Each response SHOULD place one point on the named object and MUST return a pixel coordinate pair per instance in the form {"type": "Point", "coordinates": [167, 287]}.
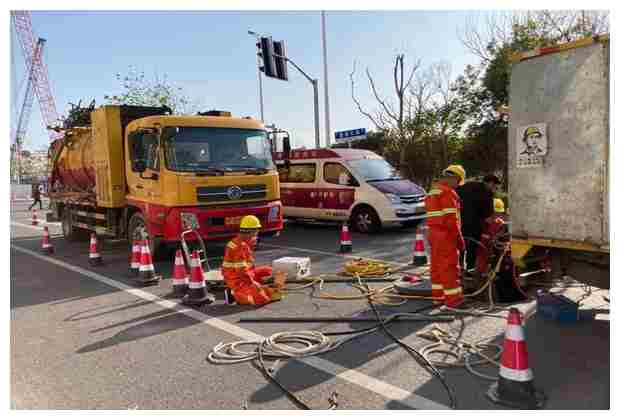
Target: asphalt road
{"type": "Point", "coordinates": [89, 338]}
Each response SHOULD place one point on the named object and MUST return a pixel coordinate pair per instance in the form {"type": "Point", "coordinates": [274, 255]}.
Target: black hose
{"type": "Point", "coordinates": [420, 358]}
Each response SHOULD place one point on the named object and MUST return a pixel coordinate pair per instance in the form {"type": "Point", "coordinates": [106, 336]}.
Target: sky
{"type": "Point", "coordinates": [211, 56]}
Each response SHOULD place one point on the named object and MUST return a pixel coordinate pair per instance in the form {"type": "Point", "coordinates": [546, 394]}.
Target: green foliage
{"type": "Point", "coordinates": [138, 90]}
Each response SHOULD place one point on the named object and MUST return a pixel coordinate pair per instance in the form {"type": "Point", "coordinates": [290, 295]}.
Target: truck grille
{"type": "Point", "coordinates": [412, 199]}
{"type": "Point", "coordinates": [231, 193]}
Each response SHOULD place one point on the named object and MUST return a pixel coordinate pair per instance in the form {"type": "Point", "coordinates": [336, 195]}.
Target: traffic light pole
{"type": "Point", "coordinates": [315, 86]}
{"type": "Point", "coordinates": [260, 79]}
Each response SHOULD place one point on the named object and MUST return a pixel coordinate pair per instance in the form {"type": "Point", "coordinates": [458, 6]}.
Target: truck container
{"type": "Point", "coordinates": [133, 172]}
{"type": "Point", "coordinates": [558, 158]}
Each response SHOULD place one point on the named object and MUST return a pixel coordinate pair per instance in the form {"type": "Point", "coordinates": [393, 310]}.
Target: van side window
{"type": "Point", "coordinates": [335, 173]}
{"type": "Point", "coordinates": [298, 172]}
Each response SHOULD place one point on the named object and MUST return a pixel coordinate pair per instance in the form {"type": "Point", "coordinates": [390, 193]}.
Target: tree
{"type": "Point", "coordinates": [486, 88]}
{"type": "Point", "coordinates": [138, 90]}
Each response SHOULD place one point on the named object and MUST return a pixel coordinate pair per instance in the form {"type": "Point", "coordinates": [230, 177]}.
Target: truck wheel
{"type": "Point", "coordinates": [365, 220]}
{"type": "Point", "coordinates": [137, 230]}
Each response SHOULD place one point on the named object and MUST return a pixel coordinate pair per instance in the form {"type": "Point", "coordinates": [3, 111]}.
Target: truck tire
{"type": "Point", "coordinates": [365, 220]}
{"type": "Point", "coordinates": [137, 230]}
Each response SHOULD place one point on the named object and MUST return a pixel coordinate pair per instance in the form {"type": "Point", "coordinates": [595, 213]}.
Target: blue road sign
{"type": "Point", "coordinates": [350, 134]}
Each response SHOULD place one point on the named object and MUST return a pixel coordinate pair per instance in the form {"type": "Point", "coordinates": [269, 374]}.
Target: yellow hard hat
{"type": "Point", "coordinates": [498, 204]}
{"type": "Point", "coordinates": [457, 170]}
{"type": "Point", "coordinates": [532, 131]}
{"type": "Point", "coordinates": [250, 223]}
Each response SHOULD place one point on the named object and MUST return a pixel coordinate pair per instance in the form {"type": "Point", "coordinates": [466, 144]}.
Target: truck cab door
{"type": "Point", "coordinates": [144, 175]}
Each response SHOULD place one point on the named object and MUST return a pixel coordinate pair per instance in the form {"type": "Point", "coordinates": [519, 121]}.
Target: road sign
{"type": "Point", "coordinates": [350, 135]}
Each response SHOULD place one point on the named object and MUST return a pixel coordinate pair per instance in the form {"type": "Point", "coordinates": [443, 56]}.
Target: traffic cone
{"type": "Point", "coordinates": [46, 245]}
{"type": "Point", "coordinates": [136, 254]}
{"type": "Point", "coordinates": [35, 222]}
{"type": "Point", "coordinates": [515, 386]}
{"type": "Point", "coordinates": [179, 276]}
{"type": "Point", "coordinates": [345, 239]}
{"type": "Point", "coordinates": [197, 293]}
{"type": "Point", "coordinates": [147, 270]}
{"type": "Point", "coordinates": [419, 254]}
{"type": "Point", "coordinates": [93, 257]}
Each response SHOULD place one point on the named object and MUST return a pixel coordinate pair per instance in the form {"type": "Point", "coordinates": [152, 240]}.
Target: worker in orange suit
{"type": "Point", "coordinates": [491, 228]}
{"type": "Point", "coordinates": [446, 241]}
{"type": "Point", "coordinates": [241, 276]}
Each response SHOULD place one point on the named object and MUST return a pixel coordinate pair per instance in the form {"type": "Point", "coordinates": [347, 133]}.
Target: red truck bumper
{"type": "Point", "coordinates": [221, 224]}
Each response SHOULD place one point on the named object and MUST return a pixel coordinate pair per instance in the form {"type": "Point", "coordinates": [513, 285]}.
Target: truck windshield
{"type": "Point", "coordinates": [374, 170]}
{"type": "Point", "coordinates": [201, 149]}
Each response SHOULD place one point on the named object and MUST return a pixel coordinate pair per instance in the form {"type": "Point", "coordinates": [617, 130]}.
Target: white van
{"type": "Point", "coordinates": [352, 185]}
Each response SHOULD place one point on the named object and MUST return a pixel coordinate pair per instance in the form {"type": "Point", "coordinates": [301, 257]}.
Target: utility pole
{"type": "Point", "coordinates": [260, 79]}
{"type": "Point", "coordinates": [328, 132]}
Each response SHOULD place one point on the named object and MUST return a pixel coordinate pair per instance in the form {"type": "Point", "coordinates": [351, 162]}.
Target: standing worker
{"type": "Point", "coordinates": [241, 276]}
{"type": "Point", "coordinates": [477, 200]}
{"type": "Point", "coordinates": [36, 196]}
{"type": "Point", "coordinates": [444, 224]}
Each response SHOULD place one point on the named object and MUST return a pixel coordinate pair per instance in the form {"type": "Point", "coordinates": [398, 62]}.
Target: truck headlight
{"type": "Point", "coordinates": [189, 221]}
{"type": "Point", "coordinates": [394, 199]}
{"type": "Point", "coordinates": [274, 212]}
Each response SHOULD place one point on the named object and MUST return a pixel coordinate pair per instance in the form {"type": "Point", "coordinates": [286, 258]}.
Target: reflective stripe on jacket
{"type": "Point", "coordinates": [443, 207]}
{"type": "Point", "coordinates": [237, 264]}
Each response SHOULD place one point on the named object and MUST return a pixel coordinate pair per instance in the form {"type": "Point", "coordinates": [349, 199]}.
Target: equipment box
{"type": "Point", "coordinates": [556, 307]}
{"type": "Point", "coordinates": [295, 268]}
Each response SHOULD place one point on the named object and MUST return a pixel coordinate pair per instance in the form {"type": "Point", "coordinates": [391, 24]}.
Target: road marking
{"type": "Point", "coordinates": [35, 227]}
{"type": "Point", "coordinates": [353, 376]}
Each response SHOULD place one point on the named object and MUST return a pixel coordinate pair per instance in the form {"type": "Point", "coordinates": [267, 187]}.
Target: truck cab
{"type": "Point", "coordinates": [348, 185]}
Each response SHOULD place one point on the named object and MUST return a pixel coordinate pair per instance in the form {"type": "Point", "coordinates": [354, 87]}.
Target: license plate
{"type": "Point", "coordinates": [235, 220]}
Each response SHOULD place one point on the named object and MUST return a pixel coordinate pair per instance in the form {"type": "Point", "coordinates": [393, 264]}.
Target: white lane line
{"type": "Point", "coordinates": [351, 375]}
{"type": "Point", "coordinates": [333, 254]}
{"type": "Point", "coordinates": [35, 227]}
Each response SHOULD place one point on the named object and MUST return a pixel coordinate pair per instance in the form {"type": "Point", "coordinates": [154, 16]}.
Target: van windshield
{"type": "Point", "coordinates": [374, 170]}
{"type": "Point", "coordinates": [203, 149]}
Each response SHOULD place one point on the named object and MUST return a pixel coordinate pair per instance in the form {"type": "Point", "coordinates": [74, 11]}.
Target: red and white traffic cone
{"type": "Point", "coordinates": [46, 245]}
{"type": "Point", "coordinates": [419, 254]}
{"type": "Point", "coordinates": [93, 256]}
{"type": "Point", "coordinates": [197, 293]}
{"type": "Point", "coordinates": [515, 386]}
{"type": "Point", "coordinates": [147, 270]}
{"type": "Point", "coordinates": [136, 254]}
{"type": "Point", "coordinates": [35, 221]}
{"type": "Point", "coordinates": [345, 240]}
{"type": "Point", "coordinates": [179, 276]}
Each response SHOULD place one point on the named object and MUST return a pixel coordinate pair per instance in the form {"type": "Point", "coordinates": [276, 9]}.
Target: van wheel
{"type": "Point", "coordinates": [365, 220]}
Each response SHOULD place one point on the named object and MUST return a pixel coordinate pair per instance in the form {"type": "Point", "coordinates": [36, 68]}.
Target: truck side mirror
{"type": "Point", "coordinates": [286, 148]}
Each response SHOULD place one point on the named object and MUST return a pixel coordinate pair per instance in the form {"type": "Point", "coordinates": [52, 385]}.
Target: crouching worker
{"type": "Point", "coordinates": [241, 276]}
{"type": "Point", "coordinates": [494, 240]}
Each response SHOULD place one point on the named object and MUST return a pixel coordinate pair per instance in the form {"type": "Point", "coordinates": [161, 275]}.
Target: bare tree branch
{"type": "Point", "coordinates": [359, 106]}
{"type": "Point", "coordinates": [381, 102]}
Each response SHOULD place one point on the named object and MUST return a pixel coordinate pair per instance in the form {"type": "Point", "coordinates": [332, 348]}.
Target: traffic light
{"type": "Point", "coordinates": [269, 65]}
{"type": "Point", "coordinates": [280, 60]}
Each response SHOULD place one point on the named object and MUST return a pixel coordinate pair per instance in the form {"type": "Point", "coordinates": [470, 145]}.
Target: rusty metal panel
{"type": "Point", "coordinates": [566, 198]}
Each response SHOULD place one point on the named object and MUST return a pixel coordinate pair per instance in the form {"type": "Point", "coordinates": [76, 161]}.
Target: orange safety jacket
{"type": "Point", "coordinates": [443, 210]}
{"type": "Point", "coordinates": [238, 264]}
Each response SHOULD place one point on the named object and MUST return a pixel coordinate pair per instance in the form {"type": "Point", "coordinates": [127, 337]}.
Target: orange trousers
{"type": "Point", "coordinates": [250, 294]}
{"type": "Point", "coordinates": [445, 268]}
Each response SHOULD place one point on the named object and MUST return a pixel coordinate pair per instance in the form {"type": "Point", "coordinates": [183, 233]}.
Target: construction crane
{"type": "Point", "coordinates": [38, 84]}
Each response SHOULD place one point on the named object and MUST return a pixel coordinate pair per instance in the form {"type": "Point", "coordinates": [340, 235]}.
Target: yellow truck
{"type": "Point", "coordinates": [559, 158]}
{"type": "Point", "coordinates": [133, 172]}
